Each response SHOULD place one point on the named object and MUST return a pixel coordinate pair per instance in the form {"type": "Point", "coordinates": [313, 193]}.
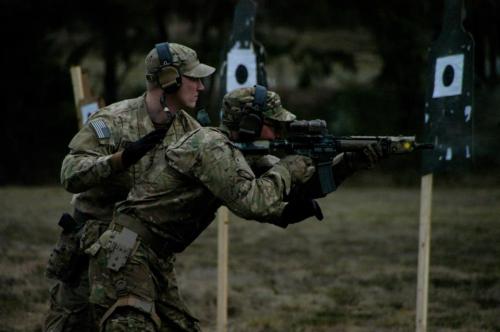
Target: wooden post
{"type": "Point", "coordinates": [241, 54]}
{"type": "Point", "coordinates": [222, 279]}
{"type": "Point", "coordinates": [424, 252]}
{"type": "Point", "coordinates": [85, 103]}
{"type": "Point", "coordinates": [78, 90]}
{"type": "Point", "coordinates": [448, 117]}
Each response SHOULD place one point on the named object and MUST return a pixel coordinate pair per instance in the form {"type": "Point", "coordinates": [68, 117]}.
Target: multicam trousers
{"type": "Point", "coordinates": [69, 303]}
{"type": "Point", "coordinates": [69, 307]}
{"type": "Point", "coordinates": [138, 293]}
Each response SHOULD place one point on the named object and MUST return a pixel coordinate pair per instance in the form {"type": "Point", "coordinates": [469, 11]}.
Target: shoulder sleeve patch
{"type": "Point", "coordinates": [100, 128]}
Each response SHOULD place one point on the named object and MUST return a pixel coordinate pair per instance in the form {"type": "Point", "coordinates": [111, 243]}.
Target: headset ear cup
{"type": "Point", "coordinates": [169, 79]}
{"type": "Point", "coordinates": [250, 127]}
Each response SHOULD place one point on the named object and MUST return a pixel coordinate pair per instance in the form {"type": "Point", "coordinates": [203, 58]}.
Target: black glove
{"type": "Point", "coordinates": [299, 207]}
{"type": "Point", "coordinates": [367, 158]}
{"type": "Point", "coordinates": [136, 150]}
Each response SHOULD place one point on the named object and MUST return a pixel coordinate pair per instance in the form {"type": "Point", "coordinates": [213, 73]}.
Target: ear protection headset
{"type": "Point", "coordinates": [252, 122]}
{"type": "Point", "coordinates": [168, 75]}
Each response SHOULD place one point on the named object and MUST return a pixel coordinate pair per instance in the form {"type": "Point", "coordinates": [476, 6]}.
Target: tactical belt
{"type": "Point", "coordinates": [155, 242]}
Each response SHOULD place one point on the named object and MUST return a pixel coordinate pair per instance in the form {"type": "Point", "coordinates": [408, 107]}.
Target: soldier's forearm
{"type": "Point", "coordinates": [80, 173]}
{"type": "Point", "coordinates": [263, 201]}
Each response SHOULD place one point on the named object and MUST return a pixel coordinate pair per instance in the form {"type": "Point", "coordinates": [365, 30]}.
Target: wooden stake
{"type": "Point", "coordinates": [78, 90]}
{"type": "Point", "coordinates": [85, 103]}
{"type": "Point", "coordinates": [424, 252]}
{"type": "Point", "coordinates": [222, 279]}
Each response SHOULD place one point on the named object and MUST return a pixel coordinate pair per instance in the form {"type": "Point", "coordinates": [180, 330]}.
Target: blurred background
{"type": "Point", "coordinates": [358, 64]}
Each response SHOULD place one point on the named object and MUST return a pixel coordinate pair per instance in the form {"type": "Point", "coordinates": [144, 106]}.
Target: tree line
{"type": "Point", "coordinates": [42, 39]}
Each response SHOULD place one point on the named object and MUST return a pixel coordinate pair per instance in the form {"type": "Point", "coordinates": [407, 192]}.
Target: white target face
{"type": "Point", "coordinates": [448, 76]}
{"type": "Point", "coordinates": [87, 110]}
{"type": "Point", "coordinates": [241, 68]}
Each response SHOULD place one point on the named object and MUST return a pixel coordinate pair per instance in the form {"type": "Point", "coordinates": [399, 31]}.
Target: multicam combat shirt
{"type": "Point", "coordinates": [183, 189]}
{"type": "Point", "coordinates": [88, 169]}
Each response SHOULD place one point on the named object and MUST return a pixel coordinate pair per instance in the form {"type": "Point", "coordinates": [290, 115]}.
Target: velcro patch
{"type": "Point", "coordinates": [100, 128]}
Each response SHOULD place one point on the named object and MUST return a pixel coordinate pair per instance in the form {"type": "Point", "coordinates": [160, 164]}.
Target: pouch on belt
{"type": "Point", "coordinates": [121, 245]}
{"type": "Point", "coordinates": [65, 259]}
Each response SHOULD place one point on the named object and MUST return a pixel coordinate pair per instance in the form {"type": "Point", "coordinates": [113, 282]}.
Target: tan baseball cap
{"type": "Point", "coordinates": [236, 102]}
{"type": "Point", "coordinates": [183, 58]}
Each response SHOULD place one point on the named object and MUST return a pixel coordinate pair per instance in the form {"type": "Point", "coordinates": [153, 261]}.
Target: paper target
{"type": "Point", "coordinates": [87, 110]}
{"type": "Point", "coordinates": [449, 105]}
{"type": "Point", "coordinates": [241, 68]}
{"type": "Point", "coordinates": [448, 76]}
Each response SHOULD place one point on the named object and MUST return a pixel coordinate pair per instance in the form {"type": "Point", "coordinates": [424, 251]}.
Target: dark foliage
{"type": "Point", "coordinates": [43, 38]}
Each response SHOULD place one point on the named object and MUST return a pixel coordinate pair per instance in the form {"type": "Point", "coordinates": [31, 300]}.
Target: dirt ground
{"type": "Point", "coordinates": [353, 271]}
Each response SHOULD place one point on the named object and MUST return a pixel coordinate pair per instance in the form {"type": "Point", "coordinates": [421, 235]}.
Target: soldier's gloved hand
{"type": "Point", "coordinates": [298, 209]}
{"type": "Point", "coordinates": [136, 150]}
{"type": "Point", "coordinates": [301, 168]}
{"type": "Point", "coordinates": [367, 158]}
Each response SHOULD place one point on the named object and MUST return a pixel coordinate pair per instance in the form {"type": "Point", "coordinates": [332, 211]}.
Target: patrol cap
{"type": "Point", "coordinates": [237, 103]}
{"type": "Point", "coordinates": [183, 58]}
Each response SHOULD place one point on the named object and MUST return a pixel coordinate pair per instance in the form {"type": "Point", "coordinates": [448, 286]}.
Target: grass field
{"type": "Point", "coordinates": [353, 271]}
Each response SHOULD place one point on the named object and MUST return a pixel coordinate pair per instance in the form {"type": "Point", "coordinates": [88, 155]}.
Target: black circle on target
{"type": "Point", "coordinates": [241, 74]}
{"type": "Point", "coordinates": [448, 75]}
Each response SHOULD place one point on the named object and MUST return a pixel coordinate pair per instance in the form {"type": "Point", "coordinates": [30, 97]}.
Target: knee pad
{"type": "Point", "coordinates": [127, 319]}
{"type": "Point", "coordinates": [130, 311]}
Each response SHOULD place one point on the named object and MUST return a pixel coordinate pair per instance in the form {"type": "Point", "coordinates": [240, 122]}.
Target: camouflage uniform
{"type": "Point", "coordinates": [131, 268]}
{"type": "Point", "coordinates": [89, 169]}
{"type": "Point", "coordinates": [92, 170]}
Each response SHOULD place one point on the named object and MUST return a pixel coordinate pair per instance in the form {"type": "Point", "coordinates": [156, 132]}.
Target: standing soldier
{"type": "Point", "coordinates": [106, 160]}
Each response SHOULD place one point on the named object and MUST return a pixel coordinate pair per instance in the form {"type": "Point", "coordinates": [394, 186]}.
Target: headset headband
{"type": "Point", "coordinates": [164, 55]}
{"type": "Point", "coordinates": [260, 97]}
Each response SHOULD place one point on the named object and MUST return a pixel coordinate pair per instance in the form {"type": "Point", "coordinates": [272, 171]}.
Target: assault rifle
{"type": "Point", "coordinates": [311, 138]}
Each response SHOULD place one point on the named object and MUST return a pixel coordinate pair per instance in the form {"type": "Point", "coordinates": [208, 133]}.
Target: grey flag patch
{"type": "Point", "coordinates": [100, 128]}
